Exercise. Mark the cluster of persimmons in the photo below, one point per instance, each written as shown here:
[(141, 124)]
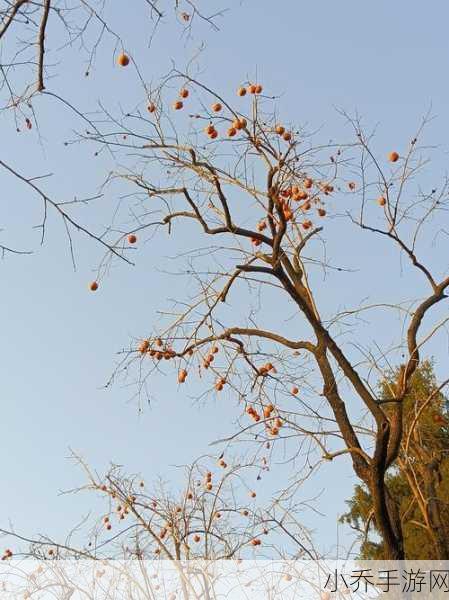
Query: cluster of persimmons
[(292, 199), (295, 199), (175, 514)]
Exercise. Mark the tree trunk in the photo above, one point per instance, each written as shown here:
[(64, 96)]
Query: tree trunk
[(386, 517), (433, 509)]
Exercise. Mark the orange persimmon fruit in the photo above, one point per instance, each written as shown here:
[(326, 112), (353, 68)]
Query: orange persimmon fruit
[(393, 157), (123, 60)]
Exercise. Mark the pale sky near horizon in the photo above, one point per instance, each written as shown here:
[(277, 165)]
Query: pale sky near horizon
[(58, 341)]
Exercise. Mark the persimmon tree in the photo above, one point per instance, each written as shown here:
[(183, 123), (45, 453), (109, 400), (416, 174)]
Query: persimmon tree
[(271, 205), (149, 540), (270, 198), (216, 516)]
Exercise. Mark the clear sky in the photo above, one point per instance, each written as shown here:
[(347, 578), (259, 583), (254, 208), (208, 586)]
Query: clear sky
[(58, 342)]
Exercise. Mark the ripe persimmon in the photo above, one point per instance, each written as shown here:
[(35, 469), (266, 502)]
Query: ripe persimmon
[(322, 212), (243, 123), (241, 91), (256, 542), (182, 375), (393, 157), (177, 105), (196, 538), (258, 88), (253, 494), (209, 129), (232, 131), (184, 93), (123, 60), (93, 286), (295, 390), (252, 88), (151, 107), (381, 201), (287, 136), (132, 238), (213, 135), (308, 183), (280, 130), (216, 107), (143, 346)]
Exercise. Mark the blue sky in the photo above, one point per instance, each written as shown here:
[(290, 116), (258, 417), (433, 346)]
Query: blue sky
[(388, 61)]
